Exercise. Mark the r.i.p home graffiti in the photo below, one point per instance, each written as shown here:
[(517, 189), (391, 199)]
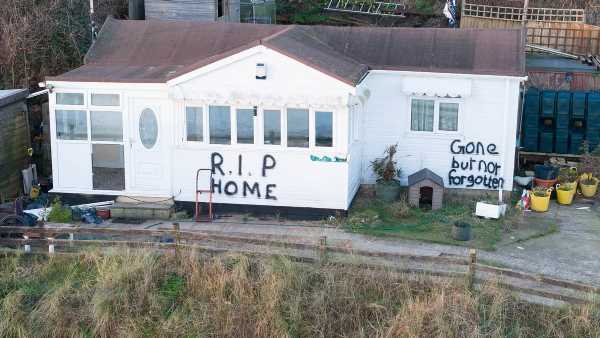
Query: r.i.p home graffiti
[(244, 188), (473, 165)]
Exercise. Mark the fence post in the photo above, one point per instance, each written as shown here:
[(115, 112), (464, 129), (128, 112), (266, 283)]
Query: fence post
[(50, 245), (322, 249), (472, 262), (177, 234), (27, 246)]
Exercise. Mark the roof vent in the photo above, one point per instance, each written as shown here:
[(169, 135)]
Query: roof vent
[(261, 71)]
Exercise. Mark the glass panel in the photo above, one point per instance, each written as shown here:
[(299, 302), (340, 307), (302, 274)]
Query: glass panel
[(448, 116), (72, 99), (194, 124), (324, 129), (297, 128), (422, 115), (105, 99), (148, 128), (219, 124), (71, 125), (107, 126), (245, 126), (272, 127), (108, 167)]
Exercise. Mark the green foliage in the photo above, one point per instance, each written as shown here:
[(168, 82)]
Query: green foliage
[(424, 6), (60, 213), (414, 223), (385, 167), (308, 12)]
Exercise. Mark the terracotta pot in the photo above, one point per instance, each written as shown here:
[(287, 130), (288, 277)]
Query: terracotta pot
[(544, 183)]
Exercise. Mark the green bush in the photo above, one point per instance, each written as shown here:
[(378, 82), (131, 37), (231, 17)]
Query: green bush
[(59, 212), (424, 6)]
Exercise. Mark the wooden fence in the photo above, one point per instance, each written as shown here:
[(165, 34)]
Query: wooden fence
[(462, 267), (515, 14), (14, 141)]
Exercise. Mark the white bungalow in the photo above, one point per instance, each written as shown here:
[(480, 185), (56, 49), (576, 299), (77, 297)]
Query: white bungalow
[(285, 116)]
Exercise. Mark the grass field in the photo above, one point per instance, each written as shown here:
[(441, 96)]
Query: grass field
[(144, 294), (374, 217)]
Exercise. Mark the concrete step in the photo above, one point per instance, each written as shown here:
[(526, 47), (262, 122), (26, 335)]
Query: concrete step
[(142, 207)]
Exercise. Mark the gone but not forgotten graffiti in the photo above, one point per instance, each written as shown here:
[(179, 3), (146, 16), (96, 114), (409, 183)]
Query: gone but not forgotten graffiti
[(246, 189), (470, 171)]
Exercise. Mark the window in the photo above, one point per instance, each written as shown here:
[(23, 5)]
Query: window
[(245, 126), (194, 124), (219, 124), (107, 126), (323, 129), (297, 128), (272, 127), (448, 116), (105, 100), (434, 115), (70, 99), (422, 112), (148, 128), (71, 124)]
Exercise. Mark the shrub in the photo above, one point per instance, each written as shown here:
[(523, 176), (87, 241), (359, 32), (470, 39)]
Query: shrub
[(590, 160), (400, 208), (385, 167), (60, 213)]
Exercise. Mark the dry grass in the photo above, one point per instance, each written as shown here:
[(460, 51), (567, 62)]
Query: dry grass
[(142, 294)]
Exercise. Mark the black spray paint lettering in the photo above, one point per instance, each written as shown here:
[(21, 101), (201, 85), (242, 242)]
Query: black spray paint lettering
[(472, 148), (486, 171), (232, 188)]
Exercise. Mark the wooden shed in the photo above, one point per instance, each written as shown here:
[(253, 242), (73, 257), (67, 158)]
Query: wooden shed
[(14, 139), (425, 188)]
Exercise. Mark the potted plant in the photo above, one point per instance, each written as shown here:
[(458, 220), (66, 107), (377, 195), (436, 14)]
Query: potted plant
[(461, 231), (565, 193), (387, 187), (491, 208), (589, 166), (568, 177), (540, 199), (589, 185)]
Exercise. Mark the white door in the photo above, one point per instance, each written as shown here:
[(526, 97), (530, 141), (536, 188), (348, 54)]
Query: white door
[(149, 172)]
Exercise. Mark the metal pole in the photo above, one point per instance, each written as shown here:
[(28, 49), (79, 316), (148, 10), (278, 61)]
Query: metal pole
[(524, 22)]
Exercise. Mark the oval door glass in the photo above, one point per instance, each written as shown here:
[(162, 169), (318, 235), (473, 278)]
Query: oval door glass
[(148, 128)]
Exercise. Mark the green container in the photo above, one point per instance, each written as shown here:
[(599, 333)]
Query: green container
[(461, 231)]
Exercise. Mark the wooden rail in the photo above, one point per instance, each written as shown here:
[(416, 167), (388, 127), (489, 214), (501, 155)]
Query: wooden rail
[(448, 266)]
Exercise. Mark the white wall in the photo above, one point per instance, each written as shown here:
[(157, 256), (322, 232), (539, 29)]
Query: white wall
[(488, 114)]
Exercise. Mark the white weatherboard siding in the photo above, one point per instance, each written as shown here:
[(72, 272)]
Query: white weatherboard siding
[(487, 115), (366, 119), (291, 177)]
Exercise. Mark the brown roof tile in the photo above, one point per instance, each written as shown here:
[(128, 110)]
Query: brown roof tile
[(156, 51)]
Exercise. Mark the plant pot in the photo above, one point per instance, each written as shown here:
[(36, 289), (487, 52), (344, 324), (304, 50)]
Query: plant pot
[(589, 190), (387, 192), (461, 231), (489, 210), (545, 172), (540, 203), (564, 197), (538, 182)]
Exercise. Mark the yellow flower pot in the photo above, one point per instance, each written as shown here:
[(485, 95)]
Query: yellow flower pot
[(565, 196), (539, 203), (588, 190)]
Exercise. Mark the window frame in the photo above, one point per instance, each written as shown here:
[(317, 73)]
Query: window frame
[(234, 125), (184, 139), (311, 129), (282, 126), (436, 115)]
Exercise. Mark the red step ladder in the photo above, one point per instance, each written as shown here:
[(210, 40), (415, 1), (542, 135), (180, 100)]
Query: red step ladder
[(199, 192)]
